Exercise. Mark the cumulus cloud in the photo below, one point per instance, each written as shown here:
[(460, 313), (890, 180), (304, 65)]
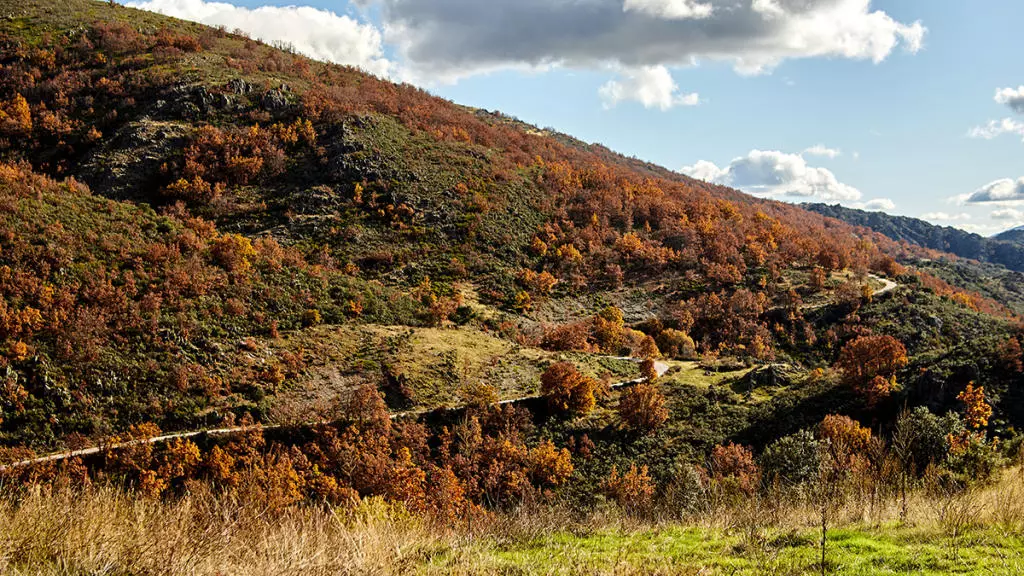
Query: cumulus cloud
[(462, 37), (1007, 191), (651, 86), (670, 9), (774, 173), (1008, 214), (821, 150), (1012, 97), (996, 128), (319, 34), (945, 216), (876, 205)]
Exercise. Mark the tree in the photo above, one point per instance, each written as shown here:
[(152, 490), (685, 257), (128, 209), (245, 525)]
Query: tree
[(567, 390), (642, 408), (977, 411), (677, 344), (648, 348), (608, 329), (865, 359), (735, 464), (648, 370)]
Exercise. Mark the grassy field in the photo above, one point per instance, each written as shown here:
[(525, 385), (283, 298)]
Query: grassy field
[(106, 531), (436, 363)]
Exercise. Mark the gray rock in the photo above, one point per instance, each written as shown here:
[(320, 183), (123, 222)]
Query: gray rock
[(239, 86), (274, 100)]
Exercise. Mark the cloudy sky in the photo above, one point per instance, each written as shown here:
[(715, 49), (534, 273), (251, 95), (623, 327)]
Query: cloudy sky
[(914, 107)]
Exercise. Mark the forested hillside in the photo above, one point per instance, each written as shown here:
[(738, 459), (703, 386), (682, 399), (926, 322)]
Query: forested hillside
[(198, 230), (999, 249)]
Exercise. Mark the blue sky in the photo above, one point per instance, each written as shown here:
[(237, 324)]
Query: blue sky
[(889, 92)]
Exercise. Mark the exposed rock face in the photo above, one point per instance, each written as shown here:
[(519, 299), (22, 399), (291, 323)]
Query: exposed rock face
[(239, 86), (275, 100), (126, 165)]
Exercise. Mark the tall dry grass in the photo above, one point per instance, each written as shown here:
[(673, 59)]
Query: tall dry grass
[(102, 530)]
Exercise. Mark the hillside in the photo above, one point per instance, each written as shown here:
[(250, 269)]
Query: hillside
[(1014, 235), (1002, 249), (385, 298)]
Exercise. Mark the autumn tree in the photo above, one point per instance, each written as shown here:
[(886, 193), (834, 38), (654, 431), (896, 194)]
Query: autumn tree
[(676, 344), (608, 329), (734, 465), (642, 408), (976, 410), (869, 364), (648, 370), (632, 490), (567, 390)]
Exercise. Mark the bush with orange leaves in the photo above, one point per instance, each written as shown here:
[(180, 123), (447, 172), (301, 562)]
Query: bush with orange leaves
[(849, 445), (869, 364), (549, 466), (15, 116), (642, 408), (567, 390), (733, 467), (632, 491), (976, 410)]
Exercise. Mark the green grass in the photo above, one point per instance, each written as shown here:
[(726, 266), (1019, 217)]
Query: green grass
[(858, 550)]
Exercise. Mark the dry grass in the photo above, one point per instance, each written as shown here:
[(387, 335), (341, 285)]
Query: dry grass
[(108, 531)]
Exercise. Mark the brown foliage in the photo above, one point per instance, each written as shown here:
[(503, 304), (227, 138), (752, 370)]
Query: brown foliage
[(567, 390), (642, 408)]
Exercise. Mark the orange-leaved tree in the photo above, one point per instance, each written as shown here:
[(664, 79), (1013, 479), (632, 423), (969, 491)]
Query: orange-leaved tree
[(869, 364), (567, 390), (642, 408), (977, 411)]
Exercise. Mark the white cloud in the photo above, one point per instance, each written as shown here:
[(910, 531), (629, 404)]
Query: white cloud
[(945, 216), (821, 150), (319, 34), (651, 86), (997, 128), (1004, 191), (1012, 97), (876, 205), (1008, 214), (669, 9), (774, 173), (452, 38)]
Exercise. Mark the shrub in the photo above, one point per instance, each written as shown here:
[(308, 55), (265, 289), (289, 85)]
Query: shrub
[(632, 491), (642, 408), (791, 460), (567, 390), (734, 465), (550, 466)]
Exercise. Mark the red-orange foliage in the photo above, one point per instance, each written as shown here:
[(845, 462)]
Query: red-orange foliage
[(976, 410), (632, 490), (735, 464), (567, 390), (847, 441), (865, 359), (642, 408)]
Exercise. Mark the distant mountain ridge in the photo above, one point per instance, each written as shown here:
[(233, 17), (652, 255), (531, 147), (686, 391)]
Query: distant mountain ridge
[(1006, 249), (1015, 235)]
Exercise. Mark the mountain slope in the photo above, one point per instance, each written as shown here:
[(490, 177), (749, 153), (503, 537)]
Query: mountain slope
[(997, 250), (245, 206)]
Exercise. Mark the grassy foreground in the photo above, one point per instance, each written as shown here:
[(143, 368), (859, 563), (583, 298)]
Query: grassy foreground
[(107, 531)]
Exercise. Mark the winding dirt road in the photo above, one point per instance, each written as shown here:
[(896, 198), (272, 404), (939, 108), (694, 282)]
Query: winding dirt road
[(659, 367)]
